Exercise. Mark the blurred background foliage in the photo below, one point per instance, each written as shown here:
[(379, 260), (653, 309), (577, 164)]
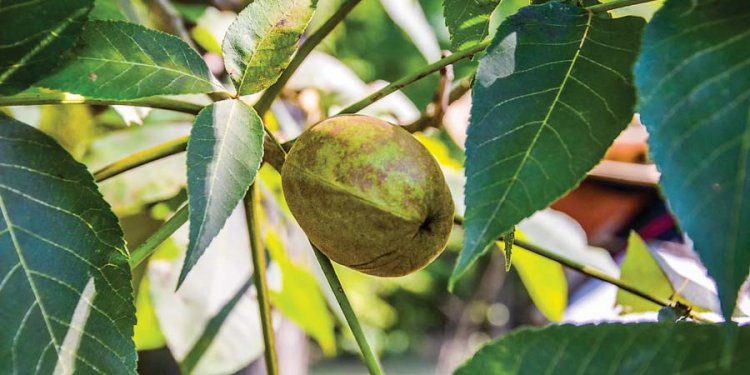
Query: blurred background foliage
[(414, 322)]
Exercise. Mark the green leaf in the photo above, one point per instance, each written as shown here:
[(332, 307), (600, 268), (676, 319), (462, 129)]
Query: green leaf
[(695, 102), (108, 10), (147, 333), (261, 41), (640, 270), (65, 292), (301, 299), (645, 349), (544, 279), (551, 94), (120, 61), (468, 21), (223, 156), (34, 35), (72, 126)]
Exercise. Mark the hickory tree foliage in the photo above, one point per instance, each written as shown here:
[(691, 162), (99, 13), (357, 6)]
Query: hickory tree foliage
[(555, 84)]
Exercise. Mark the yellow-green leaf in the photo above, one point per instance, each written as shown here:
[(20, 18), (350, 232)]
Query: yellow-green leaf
[(641, 270), (544, 281), (147, 333), (261, 41), (300, 298)]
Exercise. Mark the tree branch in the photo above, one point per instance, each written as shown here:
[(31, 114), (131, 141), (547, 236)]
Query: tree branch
[(595, 273), (615, 4), (42, 98), (414, 77), (259, 275), (368, 356)]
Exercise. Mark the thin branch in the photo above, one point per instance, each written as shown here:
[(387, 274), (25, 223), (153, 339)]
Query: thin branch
[(259, 275), (615, 4), (414, 77), (42, 98), (427, 118), (368, 356), (146, 156), (148, 247), (595, 273)]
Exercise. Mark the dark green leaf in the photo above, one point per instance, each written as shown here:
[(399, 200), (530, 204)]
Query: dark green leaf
[(644, 349), (468, 21), (35, 34), (66, 302), (119, 61), (261, 41), (551, 95), (693, 76), (223, 157)]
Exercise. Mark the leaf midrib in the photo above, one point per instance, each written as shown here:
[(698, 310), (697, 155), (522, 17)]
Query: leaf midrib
[(544, 123), (156, 67), (214, 178)]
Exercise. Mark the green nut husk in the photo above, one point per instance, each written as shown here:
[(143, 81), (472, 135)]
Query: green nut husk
[(368, 195)]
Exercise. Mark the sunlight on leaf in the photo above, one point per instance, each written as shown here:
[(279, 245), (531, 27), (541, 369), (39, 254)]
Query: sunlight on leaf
[(641, 270), (223, 156), (65, 282), (468, 21), (544, 280), (121, 60), (261, 41), (300, 298), (147, 333)]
